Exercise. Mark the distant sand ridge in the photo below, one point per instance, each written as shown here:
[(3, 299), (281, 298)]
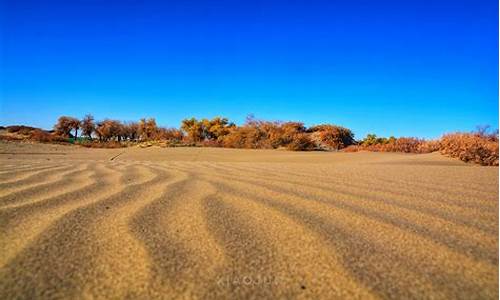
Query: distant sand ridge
[(212, 223)]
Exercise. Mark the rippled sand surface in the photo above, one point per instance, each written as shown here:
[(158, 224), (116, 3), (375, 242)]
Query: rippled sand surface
[(212, 223)]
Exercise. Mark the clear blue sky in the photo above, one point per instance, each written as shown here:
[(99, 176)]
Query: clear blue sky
[(404, 68)]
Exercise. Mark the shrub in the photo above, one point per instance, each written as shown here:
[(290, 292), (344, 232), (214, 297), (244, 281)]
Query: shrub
[(477, 147), (41, 136), (249, 136), (404, 144), (429, 146), (331, 137), (301, 142)]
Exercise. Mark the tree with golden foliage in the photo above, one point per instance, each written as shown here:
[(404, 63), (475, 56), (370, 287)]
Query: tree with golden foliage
[(193, 128), (109, 130), (65, 124), (131, 131), (88, 125), (216, 128), (147, 128)]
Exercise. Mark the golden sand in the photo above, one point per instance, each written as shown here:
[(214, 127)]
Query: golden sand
[(212, 223)]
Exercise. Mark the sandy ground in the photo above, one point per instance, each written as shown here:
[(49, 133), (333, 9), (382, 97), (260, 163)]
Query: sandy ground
[(234, 224)]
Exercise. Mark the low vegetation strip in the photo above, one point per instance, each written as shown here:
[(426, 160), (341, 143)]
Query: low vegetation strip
[(479, 147)]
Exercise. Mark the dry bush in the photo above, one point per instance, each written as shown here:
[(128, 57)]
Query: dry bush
[(257, 134), (331, 137), (301, 142), (41, 136), (247, 136), (254, 134), (235, 138), (405, 145), (429, 146), (477, 147)]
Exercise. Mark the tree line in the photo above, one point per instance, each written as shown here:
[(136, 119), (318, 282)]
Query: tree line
[(480, 146), (218, 131), (114, 130)]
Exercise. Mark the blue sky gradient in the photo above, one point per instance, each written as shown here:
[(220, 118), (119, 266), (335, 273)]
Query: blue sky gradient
[(403, 68)]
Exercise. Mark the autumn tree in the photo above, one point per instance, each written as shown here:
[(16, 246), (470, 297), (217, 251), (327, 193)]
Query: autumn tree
[(65, 124), (193, 128), (88, 125), (147, 128), (169, 134), (131, 130), (109, 129), (75, 124), (216, 128)]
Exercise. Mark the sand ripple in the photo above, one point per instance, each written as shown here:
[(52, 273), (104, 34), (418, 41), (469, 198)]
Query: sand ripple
[(175, 228)]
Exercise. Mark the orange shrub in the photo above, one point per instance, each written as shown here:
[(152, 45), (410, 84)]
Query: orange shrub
[(247, 136), (331, 137), (301, 142), (471, 147), (429, 146), (406, 145), (403, 144)]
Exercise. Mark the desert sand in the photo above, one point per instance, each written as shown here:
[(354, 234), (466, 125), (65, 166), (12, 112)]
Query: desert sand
[(211, 223)]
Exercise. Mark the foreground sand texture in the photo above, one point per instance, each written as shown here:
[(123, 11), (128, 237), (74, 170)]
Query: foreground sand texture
[(233, 224)]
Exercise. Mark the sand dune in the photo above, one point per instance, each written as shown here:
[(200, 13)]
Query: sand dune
[(224, 224)]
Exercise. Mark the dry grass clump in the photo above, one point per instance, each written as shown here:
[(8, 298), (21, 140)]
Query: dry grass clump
[(392, 144), (477, 147)]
